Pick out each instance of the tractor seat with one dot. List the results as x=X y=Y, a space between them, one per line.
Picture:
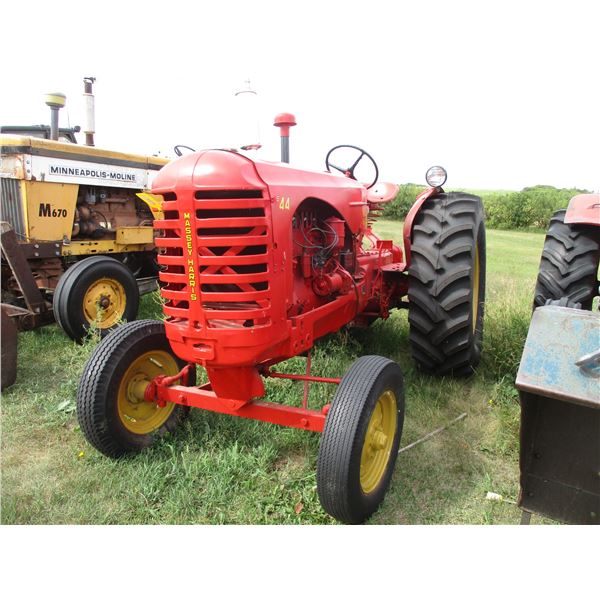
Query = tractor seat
x=382 y=193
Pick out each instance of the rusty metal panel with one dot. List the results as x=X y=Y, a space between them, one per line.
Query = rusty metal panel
x=11 y=249
x=557 y=338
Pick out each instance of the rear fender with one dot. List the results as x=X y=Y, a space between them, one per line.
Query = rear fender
x=412 y=214
x=584 y=209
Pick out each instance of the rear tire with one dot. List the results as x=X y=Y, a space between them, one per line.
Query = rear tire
x=569 y=263
x=97 y=289
x=110 y=407
x=359 y=445
x=447 y=284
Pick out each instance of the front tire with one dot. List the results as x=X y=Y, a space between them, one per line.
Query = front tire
x=569 y=263
x=111 y=410
x=447 y=284
x=359 y=445
x=97 y=290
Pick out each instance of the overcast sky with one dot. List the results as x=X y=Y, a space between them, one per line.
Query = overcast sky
x=503 y=94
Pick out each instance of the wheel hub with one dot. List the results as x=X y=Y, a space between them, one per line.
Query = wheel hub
x=104 y=302
x=378 y=441
x=136 y=413
x=137 y=388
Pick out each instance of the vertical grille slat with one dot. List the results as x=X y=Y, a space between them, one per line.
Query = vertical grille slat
x=11 y=207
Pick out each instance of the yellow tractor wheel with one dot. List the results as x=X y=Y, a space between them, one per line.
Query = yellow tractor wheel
x=360 y=441
x=112 y=410
x=98 y=291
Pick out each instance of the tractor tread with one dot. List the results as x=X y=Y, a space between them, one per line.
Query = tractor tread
x=569 y=263
x=440 y=288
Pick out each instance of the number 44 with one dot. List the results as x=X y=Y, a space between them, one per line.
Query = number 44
x=284 y=203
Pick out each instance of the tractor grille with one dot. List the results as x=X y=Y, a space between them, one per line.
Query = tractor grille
x=226 y=285
x=11 y=206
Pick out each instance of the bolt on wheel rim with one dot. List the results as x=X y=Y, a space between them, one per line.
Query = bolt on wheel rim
x=137 y=415
x=378 y=441
x=104 y=302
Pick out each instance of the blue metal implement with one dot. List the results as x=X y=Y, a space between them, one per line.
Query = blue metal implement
x=558 y=338
x=559 y=389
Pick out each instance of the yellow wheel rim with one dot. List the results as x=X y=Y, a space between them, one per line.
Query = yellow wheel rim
x=475 y=286
x=104 y=302
x=137 y=415
x=378 y=441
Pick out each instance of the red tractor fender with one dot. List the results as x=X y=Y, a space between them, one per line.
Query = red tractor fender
x=584 y=209
x=410 y=217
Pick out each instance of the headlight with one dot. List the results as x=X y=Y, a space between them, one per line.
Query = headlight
x=436 y=176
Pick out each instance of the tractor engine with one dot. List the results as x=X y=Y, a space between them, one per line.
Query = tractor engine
x=324 y=258
x=100 y=211
x=99 y=214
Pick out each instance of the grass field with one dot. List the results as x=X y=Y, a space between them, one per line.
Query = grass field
x=218 y=469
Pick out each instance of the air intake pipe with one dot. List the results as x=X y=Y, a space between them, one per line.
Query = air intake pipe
x=284 y=121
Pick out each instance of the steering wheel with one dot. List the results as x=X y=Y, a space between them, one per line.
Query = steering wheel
x=179 y=152
x=349 y=171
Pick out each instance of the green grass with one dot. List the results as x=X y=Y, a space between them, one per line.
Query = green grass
x=219 y=469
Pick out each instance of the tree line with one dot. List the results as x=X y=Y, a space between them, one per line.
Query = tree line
x=532 y=207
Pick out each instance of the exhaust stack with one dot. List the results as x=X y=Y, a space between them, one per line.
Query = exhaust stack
x=284 y=121
x=55 y=101
x=90 y=113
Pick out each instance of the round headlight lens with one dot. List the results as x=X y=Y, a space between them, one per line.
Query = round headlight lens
x=436 y=176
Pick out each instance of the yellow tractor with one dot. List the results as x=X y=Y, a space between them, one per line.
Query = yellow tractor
x=76 y=230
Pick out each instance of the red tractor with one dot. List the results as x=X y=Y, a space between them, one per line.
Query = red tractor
x=259 y=260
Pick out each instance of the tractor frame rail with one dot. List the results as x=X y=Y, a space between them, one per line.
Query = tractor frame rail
x=203 y=397
x=161 y=391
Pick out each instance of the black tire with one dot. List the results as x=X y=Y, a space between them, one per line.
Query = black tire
x=76 y=287
x=339 y=474
x=9 y=350
x=446 y=290
x=569 y=263
x=108 y=373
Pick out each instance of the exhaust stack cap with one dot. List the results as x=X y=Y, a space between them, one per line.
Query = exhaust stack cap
x=56 y=100
x=285 y=121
